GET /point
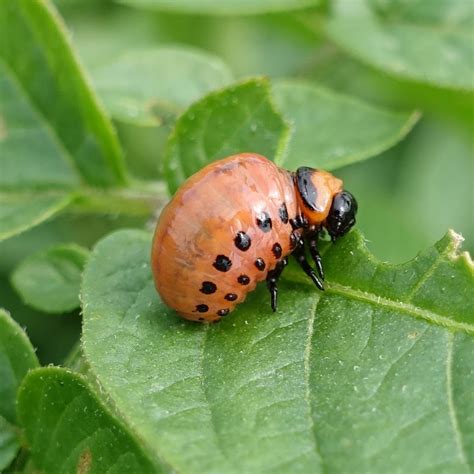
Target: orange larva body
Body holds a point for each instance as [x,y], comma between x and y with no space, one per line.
[224,230]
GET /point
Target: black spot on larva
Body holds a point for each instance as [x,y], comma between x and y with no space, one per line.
[276,249]
[293,240]
[222,263]
[243,279]
[260,264]
[230,296]
[299,222]
[202,308]
[208,288]
[242,241]
[264,222]
[223,312]
[283,211]
[200,319]
[306,188]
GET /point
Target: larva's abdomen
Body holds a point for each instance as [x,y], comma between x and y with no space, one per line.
[225,228]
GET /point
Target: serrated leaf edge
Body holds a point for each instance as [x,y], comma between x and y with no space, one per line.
[451,251]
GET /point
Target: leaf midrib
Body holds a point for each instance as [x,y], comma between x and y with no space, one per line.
[399,306]
[48,127]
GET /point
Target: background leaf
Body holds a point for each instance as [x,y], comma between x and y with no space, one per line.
[69,429]
[333,381]
[47,109]
[17,357]
[50,280]
[145,87]
[20,212]
[40,59]
[9,443]
[238,119]
[330,130]
[223,7]
[426,41]
[375,374]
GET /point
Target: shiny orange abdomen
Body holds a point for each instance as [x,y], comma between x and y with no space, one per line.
[224,229]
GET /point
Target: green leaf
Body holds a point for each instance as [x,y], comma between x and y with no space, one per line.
[223,7]
[426,41]
[9,443]
[328,130]
[373,375]
[40,64]
[331,130]
[238,119]
[145,87]
[50,280]
[21,212]
[69,429]
[53,133]
[17,357]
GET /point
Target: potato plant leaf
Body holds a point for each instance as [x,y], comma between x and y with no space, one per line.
[332,382]
[54,135]
[17,357]
[223,7]
[325,129]
[144,87]
[426,41]
[332,130]
[9,443]
[20,212]
[240,118]
[50,280]
[69,429]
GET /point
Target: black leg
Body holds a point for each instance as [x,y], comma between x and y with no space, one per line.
[272,280]
[301,259]
[313,249]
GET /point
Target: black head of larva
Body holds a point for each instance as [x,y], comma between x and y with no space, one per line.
[341,215]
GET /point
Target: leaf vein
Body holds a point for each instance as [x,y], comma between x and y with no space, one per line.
[307,373]
[427,275]
[451,407]
[400,306]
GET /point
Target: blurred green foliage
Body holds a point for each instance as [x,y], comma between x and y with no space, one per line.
[408,198]
[105,105]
